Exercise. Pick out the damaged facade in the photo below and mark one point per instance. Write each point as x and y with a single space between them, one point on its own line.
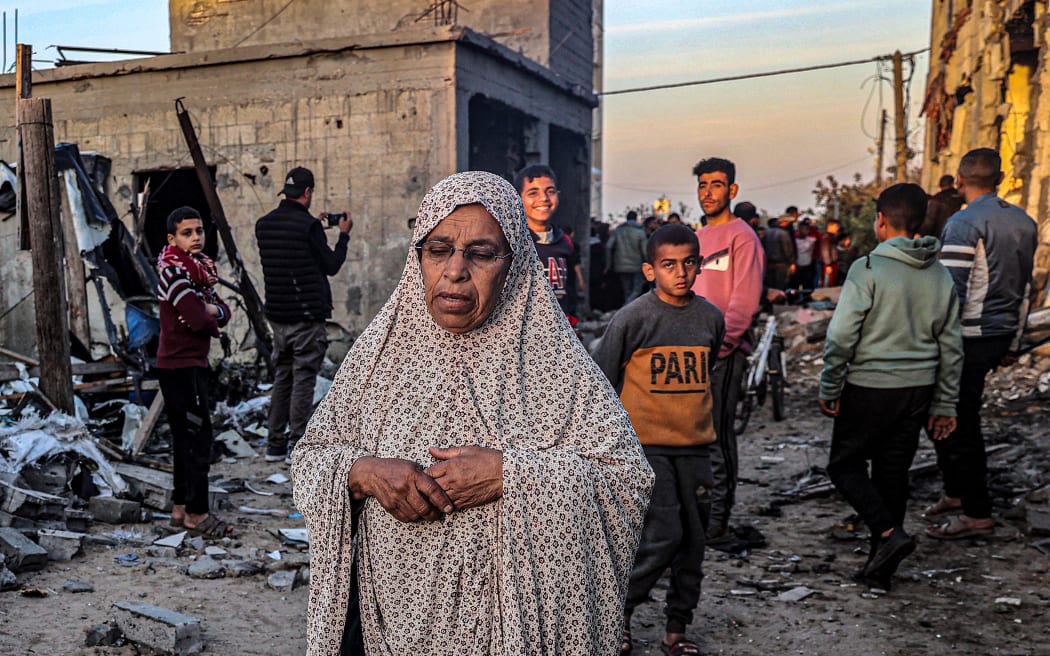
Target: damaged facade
380 99
988 69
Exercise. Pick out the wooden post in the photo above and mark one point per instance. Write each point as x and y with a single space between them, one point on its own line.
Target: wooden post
881 149
898 118
37 155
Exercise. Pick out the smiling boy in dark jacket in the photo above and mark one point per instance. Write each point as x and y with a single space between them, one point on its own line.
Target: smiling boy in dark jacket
891 365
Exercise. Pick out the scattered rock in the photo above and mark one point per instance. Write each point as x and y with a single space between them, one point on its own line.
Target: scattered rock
206 567
74 587
282 581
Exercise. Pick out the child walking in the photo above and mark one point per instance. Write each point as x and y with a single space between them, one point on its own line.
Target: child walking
658 352
891 365
191 313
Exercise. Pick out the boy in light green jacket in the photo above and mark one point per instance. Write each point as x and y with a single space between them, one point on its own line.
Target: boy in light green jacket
892 363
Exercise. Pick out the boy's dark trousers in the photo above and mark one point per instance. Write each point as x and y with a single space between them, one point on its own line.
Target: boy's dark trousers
881 426
961 456
673 536
186 403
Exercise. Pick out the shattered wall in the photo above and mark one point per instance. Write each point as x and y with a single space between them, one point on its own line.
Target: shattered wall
988 69
378 119
553 33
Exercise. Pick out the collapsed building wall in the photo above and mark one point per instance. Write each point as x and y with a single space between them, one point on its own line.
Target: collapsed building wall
379 119
985 88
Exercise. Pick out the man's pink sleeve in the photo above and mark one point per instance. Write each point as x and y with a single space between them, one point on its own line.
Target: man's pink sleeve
748 264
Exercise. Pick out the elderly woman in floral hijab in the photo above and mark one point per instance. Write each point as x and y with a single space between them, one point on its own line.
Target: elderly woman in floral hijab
496 484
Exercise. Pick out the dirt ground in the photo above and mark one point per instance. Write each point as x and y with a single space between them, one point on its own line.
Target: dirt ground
944 600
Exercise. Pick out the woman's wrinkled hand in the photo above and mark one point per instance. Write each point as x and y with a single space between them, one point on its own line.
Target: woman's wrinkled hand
401 487
470 475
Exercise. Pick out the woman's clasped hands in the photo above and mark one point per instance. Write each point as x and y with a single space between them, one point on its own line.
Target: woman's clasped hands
463 477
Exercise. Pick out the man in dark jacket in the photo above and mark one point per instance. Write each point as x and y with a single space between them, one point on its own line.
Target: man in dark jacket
989 249
940 207
296 263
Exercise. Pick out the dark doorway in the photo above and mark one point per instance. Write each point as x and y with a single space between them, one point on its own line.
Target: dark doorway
497 137
171 189
570 159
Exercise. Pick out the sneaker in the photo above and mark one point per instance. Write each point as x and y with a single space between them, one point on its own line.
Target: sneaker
277 453
892 550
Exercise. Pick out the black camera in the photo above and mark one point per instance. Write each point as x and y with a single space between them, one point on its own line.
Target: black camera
334 219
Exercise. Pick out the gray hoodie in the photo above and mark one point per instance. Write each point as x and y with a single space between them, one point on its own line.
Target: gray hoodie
897 325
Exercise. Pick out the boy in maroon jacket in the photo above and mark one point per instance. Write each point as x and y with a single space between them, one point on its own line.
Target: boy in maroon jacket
191 313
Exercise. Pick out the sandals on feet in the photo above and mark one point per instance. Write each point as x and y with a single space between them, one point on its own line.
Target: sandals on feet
940 509
212 528
682 647
954 528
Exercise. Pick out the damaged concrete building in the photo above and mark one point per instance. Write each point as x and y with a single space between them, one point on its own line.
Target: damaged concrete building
380 99
989 68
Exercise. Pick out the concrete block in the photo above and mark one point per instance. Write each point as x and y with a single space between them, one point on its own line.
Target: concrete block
20 553
156 488
112 510
31 504
159 628
78 521
60 545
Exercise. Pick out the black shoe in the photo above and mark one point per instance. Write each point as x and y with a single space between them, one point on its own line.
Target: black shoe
276 453
880 581
892 550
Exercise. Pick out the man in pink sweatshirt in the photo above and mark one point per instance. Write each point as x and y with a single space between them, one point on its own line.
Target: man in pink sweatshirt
730 278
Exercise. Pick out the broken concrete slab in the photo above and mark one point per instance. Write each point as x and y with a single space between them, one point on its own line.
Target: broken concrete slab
244 567
76 587
60 545
1038 521
282 581
236 444
174 541
78 521
796 594
112 510
159 628
206 567
30 503
20 553
157 487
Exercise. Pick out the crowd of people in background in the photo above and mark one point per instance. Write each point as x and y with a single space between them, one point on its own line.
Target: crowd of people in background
936 306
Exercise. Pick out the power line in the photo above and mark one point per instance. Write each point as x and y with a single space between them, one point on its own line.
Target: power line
750 76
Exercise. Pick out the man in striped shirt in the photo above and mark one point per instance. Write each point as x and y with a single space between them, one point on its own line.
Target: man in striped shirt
989 249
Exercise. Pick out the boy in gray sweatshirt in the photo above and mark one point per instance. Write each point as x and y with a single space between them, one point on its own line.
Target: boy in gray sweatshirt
892 363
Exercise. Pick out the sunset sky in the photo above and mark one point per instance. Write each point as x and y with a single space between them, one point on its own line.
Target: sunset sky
783 132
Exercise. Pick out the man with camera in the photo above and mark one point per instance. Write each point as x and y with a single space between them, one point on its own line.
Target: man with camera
296 263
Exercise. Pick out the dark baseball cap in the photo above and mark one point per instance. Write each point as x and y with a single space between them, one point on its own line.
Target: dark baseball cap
297 182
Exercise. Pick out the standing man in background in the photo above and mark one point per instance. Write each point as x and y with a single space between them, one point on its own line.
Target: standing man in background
730 278
296 262
626 250
989 249
941 207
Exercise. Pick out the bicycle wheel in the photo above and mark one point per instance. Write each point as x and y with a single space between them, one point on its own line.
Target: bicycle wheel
744 405
775 373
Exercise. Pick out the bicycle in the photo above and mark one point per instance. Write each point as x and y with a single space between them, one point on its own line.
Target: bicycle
764 376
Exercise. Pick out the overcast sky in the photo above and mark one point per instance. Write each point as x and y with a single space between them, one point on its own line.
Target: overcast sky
783 132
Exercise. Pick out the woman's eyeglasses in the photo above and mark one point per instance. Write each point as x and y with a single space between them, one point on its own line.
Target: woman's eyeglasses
438 252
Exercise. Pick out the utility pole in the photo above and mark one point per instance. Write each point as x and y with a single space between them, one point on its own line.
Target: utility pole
39 189
898 118
880 149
